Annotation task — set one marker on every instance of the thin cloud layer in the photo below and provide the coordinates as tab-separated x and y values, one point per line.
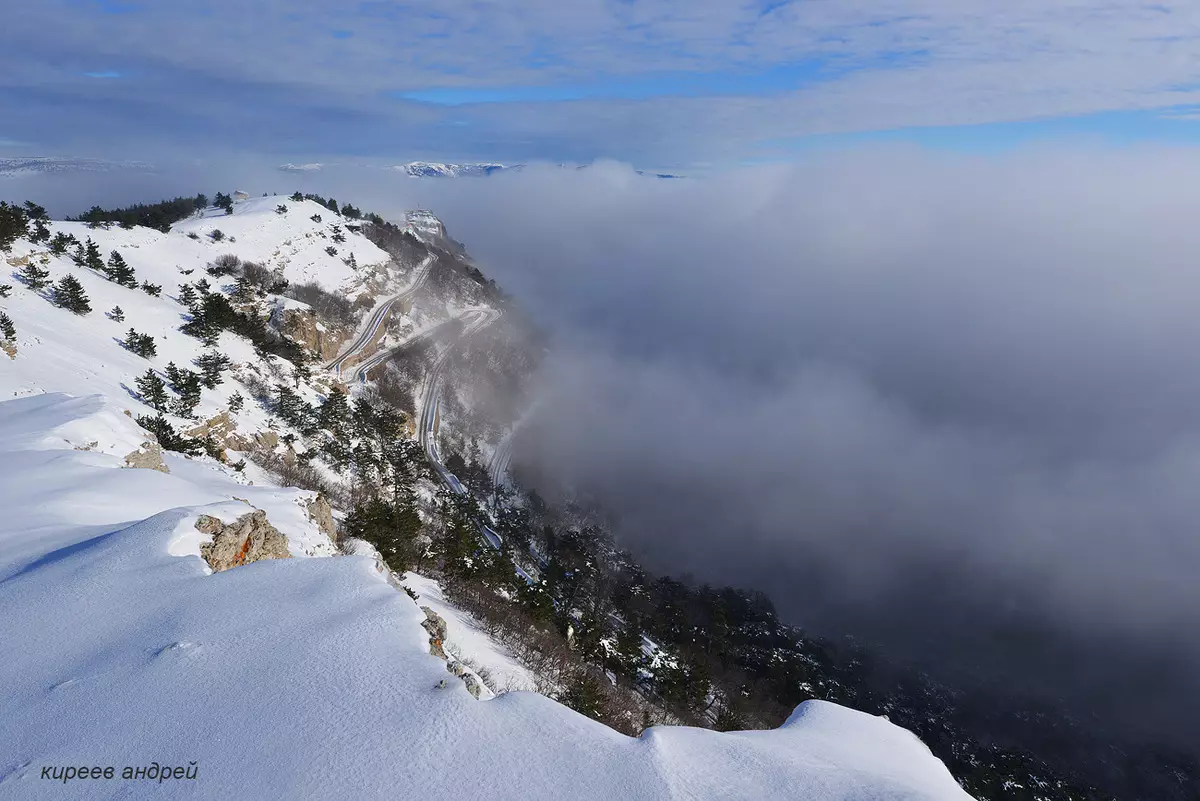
646	82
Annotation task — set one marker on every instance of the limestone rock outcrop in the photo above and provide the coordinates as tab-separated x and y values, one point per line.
321	513
149	457
248	539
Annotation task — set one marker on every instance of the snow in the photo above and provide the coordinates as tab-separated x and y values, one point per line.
428	169
289	678
312	677
465	639
293	241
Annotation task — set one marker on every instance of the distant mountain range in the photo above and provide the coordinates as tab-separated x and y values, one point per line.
428	169
64	164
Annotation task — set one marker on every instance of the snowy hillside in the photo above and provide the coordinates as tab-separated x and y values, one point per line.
294	241
127	645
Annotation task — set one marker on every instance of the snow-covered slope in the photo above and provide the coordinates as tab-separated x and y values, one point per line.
285	678
293	241
311	678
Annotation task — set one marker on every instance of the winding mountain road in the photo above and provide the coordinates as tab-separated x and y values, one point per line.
380	314
427	433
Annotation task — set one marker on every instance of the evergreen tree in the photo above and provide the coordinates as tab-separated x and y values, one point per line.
8	331
585	695
297	197
58	244
200	201
5	290
166	435
14	224
236	401
187	295
141	344
187	385
334	413
211	364
153	391
119	272
34	276
391	529
91	256
245	291
281	209
153	290
69	294
116	315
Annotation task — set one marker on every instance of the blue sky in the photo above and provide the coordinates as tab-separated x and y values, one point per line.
657	83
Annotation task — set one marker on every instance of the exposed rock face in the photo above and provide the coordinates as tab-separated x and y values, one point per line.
474	686
149	456
266	439
304	327
219	428
9	347
436	626
248	539
321	513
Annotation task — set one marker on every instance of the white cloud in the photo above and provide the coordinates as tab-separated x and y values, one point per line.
896	63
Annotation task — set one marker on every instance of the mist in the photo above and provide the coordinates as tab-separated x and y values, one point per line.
947	404
944	403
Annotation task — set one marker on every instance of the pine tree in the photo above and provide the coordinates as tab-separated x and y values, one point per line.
69	294
141	344
119	272
116	315
201	201
8	331
166	435
211	364
297	197
58	244
187	295
5	290
245	291
153	390
186	385
35	277
585	696
334	412
281	209
153	290
14	224
91	256
287	405
236	401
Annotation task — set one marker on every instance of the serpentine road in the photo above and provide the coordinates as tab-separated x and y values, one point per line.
380	314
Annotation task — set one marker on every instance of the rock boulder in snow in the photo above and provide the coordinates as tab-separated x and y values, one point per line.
248	539
436	626
149	456
321	513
